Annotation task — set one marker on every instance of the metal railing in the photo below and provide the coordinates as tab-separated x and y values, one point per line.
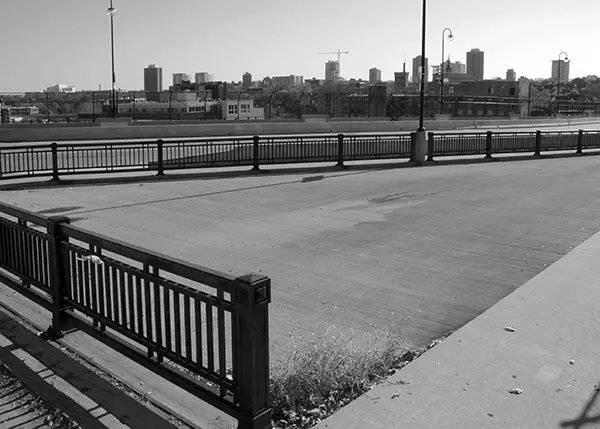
183	316
57	160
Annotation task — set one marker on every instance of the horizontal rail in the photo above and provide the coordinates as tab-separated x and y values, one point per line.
158	260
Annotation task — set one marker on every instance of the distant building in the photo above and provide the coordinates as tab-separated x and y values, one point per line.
416	70
246	80
511	75
457	67
377	96
480	88
291	80
374	75
61	88
181	77
241	109
202	77
153	78
564	70
475	62
224	109
332	72
400	81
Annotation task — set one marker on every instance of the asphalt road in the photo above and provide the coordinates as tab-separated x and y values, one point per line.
419	250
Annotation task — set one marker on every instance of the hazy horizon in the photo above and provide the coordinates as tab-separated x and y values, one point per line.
68	41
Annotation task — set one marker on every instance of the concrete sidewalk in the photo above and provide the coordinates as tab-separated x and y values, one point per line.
552	356
63	384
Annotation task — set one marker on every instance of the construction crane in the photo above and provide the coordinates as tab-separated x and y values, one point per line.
339	53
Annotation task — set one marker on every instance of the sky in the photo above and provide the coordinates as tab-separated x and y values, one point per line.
49	42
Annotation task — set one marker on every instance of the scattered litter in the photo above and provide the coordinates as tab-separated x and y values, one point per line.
490	414
509	329
572	362
597	387
515	391
91	258
395	395
466	389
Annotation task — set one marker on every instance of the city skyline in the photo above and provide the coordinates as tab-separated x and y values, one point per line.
80	55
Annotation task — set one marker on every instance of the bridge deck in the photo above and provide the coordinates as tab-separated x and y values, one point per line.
423	250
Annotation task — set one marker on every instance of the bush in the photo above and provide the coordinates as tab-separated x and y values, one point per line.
329	371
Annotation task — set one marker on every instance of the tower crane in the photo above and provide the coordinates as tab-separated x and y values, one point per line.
339	53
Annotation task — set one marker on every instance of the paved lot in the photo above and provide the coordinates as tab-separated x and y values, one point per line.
425	250
550	355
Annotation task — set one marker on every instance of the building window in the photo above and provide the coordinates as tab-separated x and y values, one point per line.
512	91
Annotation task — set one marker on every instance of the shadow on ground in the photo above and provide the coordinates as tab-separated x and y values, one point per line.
114	401
297	169
585	420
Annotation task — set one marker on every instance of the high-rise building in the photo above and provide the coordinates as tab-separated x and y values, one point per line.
180	77
247	80
416	70
511	75
564	70
475	60
202	77
153	78
374	75
332	71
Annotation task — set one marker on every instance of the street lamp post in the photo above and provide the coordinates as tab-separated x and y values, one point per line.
419	149
111	12
450	37
558	80
423	71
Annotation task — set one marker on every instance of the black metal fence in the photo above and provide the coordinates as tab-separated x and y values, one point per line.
184	316
59	160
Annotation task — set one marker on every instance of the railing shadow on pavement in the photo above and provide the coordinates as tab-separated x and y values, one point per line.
583	420
200	329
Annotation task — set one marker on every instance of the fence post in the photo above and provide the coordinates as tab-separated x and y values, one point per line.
488	145
59	271
255	153
251	299
413	141
538	143
54	147
580	141
430	138
160	158
340	154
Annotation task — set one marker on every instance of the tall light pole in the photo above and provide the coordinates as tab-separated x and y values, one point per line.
558	80
450	37
111	12
423	71
419	150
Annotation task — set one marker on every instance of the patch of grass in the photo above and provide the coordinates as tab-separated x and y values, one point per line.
329	371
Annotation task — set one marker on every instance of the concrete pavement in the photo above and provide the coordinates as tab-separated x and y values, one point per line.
422	251
62	383
465	382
